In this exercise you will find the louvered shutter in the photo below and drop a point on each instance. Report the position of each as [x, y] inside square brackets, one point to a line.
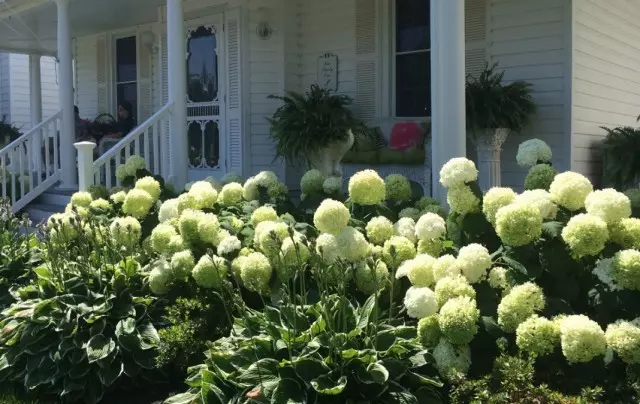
[234, 129]
[475, 36]
[145, 76]
[366, 105]
[163, 89]
[102, 73]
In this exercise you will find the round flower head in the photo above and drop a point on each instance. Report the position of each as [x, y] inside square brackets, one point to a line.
[540, 177]
[100, 205]
[398, 249]
[278, 190]
[332, 185]
[459, 320]
[419, 270]
[367, 188]
[519, 224]
[495, 199]
[430, 226]
[266, 178]
[451, 287]
[270, 237]
[161, 237]
[538, 335]
[168, 210]
[236, 224]
[220, 235]
[256, 273]
[182, 264]
[160, 277]
[176, 244]
[405, 227]
[581, 338]
[379, 229]
[570, 190]
[231, 177]
[210, 272]
[312, 182]
[432, 247]
[250, 190]
[429, 331]
[328, 248]
[204, 193]
[150, 185]
[473, 261]
[81, 199]
[118, 197]
[609, 205]
[625, 269]
[420, 302]
[458, 172]
[236, 268]
[541, 199]
[138, 203]
[498, 278]
[532, 152]
[585, 235]
[368, 280]
[331, 216]
[126, 231]
[424, 202]
[520, 304]
[462, 200]
[354, 247]
[624, 338]
[452, 361]
[121, 173]
[231, 194]
[294, 251]
[187, 201]
[411, 213]
[228, 245]
[626, 233]
[445, 266]
[188, 225]
[134, 164]
[397, 188]
[264, 214]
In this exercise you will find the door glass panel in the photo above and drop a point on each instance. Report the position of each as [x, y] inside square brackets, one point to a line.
[202, 65]
[204, 144]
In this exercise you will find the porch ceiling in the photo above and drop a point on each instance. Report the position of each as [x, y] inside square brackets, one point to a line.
[30, 26]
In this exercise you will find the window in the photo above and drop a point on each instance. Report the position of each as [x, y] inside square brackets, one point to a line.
[127, 72]
[412, 58]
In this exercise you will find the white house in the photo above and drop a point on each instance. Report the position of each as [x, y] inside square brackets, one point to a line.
[15, 89]
[399, 60]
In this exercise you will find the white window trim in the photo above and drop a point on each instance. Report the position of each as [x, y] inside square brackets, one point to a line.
[387, 61]
[115, 36]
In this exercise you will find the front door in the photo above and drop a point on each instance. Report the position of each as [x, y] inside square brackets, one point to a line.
[205, 98]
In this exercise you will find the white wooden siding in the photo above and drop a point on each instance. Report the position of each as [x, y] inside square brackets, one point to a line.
[87, 76]
[5, 92]
[531, 40]
[606, 76]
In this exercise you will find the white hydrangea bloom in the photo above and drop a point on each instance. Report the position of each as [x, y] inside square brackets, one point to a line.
[457, 172]
[532, 152]
[406, 227]
[430, 226]
[474, 260]
[541, 199]
[603, 272]
[452, 361]
[420, 302]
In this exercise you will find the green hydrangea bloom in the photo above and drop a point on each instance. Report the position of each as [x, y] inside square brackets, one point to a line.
[585, 235]
[398, 249]
[256, 273]
[429, 331]
[459, 320]
[210, 272]
[624, 338]
[264, 214]
[312, 182]
[462, 200]
[204, 194]
[626, 233]
[150, 185]
[369, 279]
[570, 190]
[138, 203]
[231, 194]
[609, 205]
[182, 263]
[538, 335]
[367, 188]
[160, 277]
[81, 199]
[520, 304]
[519, 224]
[495, 199]
[161, 237]
[126, 231]
[379, 229]
[581, 338]
[540, 177]
[331, 216]
[625, 270]
[397, 188]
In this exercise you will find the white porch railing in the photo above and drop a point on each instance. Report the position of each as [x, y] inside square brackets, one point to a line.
[31, 164]
[147, 140]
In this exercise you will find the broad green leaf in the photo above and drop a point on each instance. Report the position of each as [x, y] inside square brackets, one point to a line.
[97, 327]
[326, 385]
[212, 394]
[288, 391]
[364, 317]
[491, 327]
[145, 359]
[400, 397]
[310, 368]
[260, 372]
[109, 374]
[419, 359]
[350, 353]
[43, 272]
[149, 337]
[378, 372]
[424, 380]
[515, 265]
[126, 327]
[552, 229]
[99, 347]
[396, 367]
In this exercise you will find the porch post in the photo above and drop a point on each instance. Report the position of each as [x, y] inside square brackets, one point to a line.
[177, 51]
[448, 115]
[35, 96]
[65, 74]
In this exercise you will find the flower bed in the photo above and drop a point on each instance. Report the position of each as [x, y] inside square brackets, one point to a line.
[367, 297]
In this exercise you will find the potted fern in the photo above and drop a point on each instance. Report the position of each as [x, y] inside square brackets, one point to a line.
[314, 129]
[621, 157]
[494, 110]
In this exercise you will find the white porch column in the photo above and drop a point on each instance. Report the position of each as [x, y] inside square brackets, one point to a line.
[448, 115]
[65, 74]
[35, 96]
[177, 51]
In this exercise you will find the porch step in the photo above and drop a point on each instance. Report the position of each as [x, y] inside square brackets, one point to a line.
[53, 201]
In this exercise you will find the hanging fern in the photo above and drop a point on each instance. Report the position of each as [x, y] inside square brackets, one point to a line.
[307, 123]
[621, 152]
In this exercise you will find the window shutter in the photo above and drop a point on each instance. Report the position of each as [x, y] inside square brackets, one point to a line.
[164, 96]
[366, 60]
[145, 75]
[475, 36]
[102, 73]
[234, 119]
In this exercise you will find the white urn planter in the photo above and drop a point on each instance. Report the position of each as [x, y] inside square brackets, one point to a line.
[489, 147]
[327, 160]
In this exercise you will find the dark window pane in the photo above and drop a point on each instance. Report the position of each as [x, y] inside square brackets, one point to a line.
[413, 85]
[126, 59]
[412, 25]
[202, 66]
[204, 148]
[129, 92]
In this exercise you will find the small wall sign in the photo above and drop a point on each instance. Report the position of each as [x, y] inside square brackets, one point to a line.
[328, 71]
